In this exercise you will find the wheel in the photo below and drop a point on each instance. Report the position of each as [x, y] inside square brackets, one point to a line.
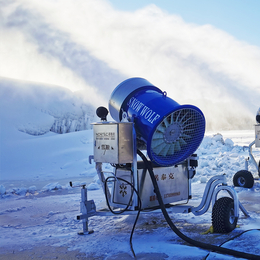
[259, 168]
[243, 179]
[223, 215]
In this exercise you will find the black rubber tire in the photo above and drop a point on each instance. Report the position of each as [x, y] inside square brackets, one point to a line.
[243, 179]
[259, 168]
[223, 219]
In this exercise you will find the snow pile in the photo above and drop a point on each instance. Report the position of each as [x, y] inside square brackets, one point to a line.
[2, 190]
[52, 186]
[20, 191]
[219, 156]
[36, 109]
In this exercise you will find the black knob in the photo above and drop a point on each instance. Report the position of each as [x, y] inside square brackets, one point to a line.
[102, 113]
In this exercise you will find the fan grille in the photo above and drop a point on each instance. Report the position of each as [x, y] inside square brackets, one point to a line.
[177, 136]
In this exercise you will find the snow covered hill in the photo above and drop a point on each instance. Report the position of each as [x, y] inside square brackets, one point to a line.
[36, 108]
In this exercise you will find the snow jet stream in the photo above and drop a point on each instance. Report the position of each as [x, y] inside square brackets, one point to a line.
[93, 47]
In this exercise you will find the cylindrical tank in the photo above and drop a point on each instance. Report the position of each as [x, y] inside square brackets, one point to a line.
[172, 132]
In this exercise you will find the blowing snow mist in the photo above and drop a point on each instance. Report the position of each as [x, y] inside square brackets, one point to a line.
[100, 47]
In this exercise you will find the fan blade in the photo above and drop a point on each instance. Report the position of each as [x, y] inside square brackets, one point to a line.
[189, 125]
[156, 143]
[171, 118]
[176, 120]
[165, 150]
[177, 146]
[159, 148]
[161, 128]
[166, 122]
[188, 130]
[171, 150]
[186, 120]
[157, 135]
[182, 142]
[183, 117]
[185, 136]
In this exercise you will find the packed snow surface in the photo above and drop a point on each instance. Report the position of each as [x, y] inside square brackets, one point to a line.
[38, 206]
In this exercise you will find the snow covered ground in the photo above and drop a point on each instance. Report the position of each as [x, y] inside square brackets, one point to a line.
[39, 208]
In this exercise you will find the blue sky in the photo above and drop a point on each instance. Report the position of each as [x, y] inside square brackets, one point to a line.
[239, 18]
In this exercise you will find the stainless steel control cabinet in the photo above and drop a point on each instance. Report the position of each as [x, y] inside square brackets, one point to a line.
[257, 135]
[113, 142]
[173, 183]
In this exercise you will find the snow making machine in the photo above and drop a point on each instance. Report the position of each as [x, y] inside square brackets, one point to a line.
[244, 178]
[151, 146]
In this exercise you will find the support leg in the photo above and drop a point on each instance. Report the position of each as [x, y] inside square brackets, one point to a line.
[87, 208]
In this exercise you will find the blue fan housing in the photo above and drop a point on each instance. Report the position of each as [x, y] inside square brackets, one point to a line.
[172, 132]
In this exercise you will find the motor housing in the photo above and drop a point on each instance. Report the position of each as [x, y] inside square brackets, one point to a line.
[170, 131]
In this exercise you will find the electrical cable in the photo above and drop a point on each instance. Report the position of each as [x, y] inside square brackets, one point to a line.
[136, 219]
[130, 200]
[232, 238]
[179, 233]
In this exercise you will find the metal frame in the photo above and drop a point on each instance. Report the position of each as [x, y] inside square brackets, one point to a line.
[212, 189]
[251, 157]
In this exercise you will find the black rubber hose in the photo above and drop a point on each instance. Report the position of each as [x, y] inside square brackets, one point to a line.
[233, 238]
[128, 205]
[191, 241]
[130, 200]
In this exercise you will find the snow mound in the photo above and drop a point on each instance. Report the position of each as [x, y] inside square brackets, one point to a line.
[2, 190]
[219, 156]
[52, 186]
[93, 186]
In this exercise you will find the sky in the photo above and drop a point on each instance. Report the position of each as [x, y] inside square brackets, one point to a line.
[240, 18]
[205, 55]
